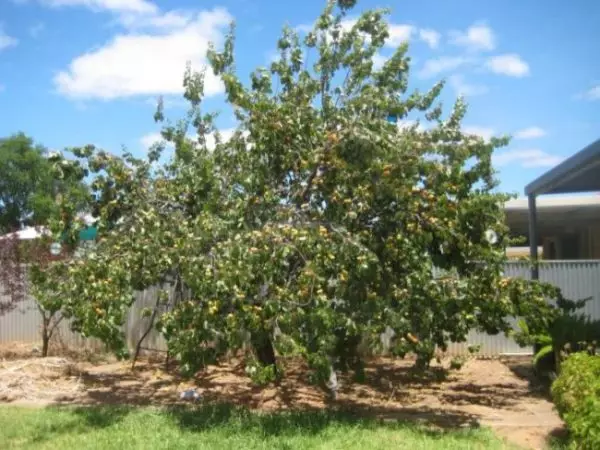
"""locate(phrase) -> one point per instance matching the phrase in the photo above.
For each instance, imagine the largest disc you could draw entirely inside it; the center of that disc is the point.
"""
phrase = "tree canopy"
(319, 227)
(27, 187)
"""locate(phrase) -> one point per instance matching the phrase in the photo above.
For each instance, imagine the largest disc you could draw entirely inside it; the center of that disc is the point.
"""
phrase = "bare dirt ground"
(500, 394)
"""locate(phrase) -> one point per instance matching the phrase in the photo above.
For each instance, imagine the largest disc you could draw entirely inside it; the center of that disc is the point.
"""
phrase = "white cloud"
(407, 124)
(272, 56)
(399, 33)
(462, 87)
(164, 21)
(476, 38)
(593, 93)
(134, 14)
(148, 140)
(346, 24)
(6, 41)
(225, 135)
(430, 37)
(304, 27)
(528, 158)
(530, 133)
(36, 29)
(483, 132)
(509, 64)
(433, 67)
(134, 6)
(378, 61)
(169, 102)
(145, 64)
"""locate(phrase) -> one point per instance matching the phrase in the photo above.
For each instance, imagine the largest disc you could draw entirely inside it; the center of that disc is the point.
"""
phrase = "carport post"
(533, 237)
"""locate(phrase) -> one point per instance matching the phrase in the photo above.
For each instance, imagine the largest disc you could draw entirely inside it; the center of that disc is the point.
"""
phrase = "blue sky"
(74, 72)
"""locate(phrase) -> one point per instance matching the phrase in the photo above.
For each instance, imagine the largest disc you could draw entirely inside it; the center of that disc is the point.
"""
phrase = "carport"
(579, 173)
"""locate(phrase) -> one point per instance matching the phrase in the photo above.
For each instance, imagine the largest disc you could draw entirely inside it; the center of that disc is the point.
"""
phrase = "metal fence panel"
(499, 344)
(21, 323)
(577, 279)
(137, 325)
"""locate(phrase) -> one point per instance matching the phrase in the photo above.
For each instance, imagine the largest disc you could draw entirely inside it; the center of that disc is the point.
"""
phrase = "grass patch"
(220, 427)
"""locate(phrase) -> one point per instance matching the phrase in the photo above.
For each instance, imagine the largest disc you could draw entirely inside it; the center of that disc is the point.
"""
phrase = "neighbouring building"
(556, 223)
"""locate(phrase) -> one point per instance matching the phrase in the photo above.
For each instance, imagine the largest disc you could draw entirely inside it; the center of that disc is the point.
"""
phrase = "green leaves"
(29, 185)
(576, 394)
(316, 226)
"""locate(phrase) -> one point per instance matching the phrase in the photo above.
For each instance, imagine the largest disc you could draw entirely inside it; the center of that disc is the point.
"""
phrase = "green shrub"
(576, 394)
(562, 332)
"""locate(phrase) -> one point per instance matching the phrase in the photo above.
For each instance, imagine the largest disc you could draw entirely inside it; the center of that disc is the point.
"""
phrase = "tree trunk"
(263, 347)
(557, 360)
(138, 347)
(423, 361)
(48, 327)
(348, 354)
(45, 340)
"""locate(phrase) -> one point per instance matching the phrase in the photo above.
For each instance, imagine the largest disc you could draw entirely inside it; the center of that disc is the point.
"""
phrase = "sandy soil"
(500, 394)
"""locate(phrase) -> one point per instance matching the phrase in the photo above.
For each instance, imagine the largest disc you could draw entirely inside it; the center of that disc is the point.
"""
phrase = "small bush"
(576, 394)
(567, 333)
(458, 362)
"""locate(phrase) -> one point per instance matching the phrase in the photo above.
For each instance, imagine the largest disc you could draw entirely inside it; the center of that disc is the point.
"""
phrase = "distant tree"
(28, 188)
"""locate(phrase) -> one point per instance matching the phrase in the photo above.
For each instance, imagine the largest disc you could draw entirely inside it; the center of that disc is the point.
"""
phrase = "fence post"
(533, 249)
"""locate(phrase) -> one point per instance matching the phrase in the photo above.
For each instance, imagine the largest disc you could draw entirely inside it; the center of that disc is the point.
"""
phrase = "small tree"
(22, 265)
(29, 193)
(44, 290)
(319, 224)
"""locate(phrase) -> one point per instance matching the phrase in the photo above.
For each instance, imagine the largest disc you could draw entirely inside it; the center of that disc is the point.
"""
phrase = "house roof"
(556, 203)
(27, 233)
(89, 233)
(553, 213)
(579, 173)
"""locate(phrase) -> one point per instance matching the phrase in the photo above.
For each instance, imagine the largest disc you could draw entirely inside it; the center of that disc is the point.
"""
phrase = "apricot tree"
(320, 224)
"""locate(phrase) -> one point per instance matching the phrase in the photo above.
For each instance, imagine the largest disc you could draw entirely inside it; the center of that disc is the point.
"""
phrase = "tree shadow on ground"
(391, 391)
(404, 385)
(84, 419)
(385, 382)
(433, 422)
(498, 395)
(559, 439)
(523, 368)
(102, 416)
(236, 419)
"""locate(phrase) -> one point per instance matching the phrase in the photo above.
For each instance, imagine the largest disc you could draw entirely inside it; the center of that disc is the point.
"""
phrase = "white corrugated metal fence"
(577, 279)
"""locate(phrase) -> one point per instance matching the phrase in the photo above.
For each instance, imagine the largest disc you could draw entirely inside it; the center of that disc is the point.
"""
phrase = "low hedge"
(576, 394)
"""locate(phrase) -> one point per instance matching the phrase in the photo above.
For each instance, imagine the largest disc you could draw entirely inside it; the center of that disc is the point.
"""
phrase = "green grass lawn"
(218, 427)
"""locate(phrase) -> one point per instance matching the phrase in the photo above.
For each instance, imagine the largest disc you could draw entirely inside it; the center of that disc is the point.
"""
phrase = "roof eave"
(564, 171)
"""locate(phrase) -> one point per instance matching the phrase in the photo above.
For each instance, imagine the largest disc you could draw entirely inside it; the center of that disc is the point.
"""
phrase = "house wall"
(587, 244)
(594, 231)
